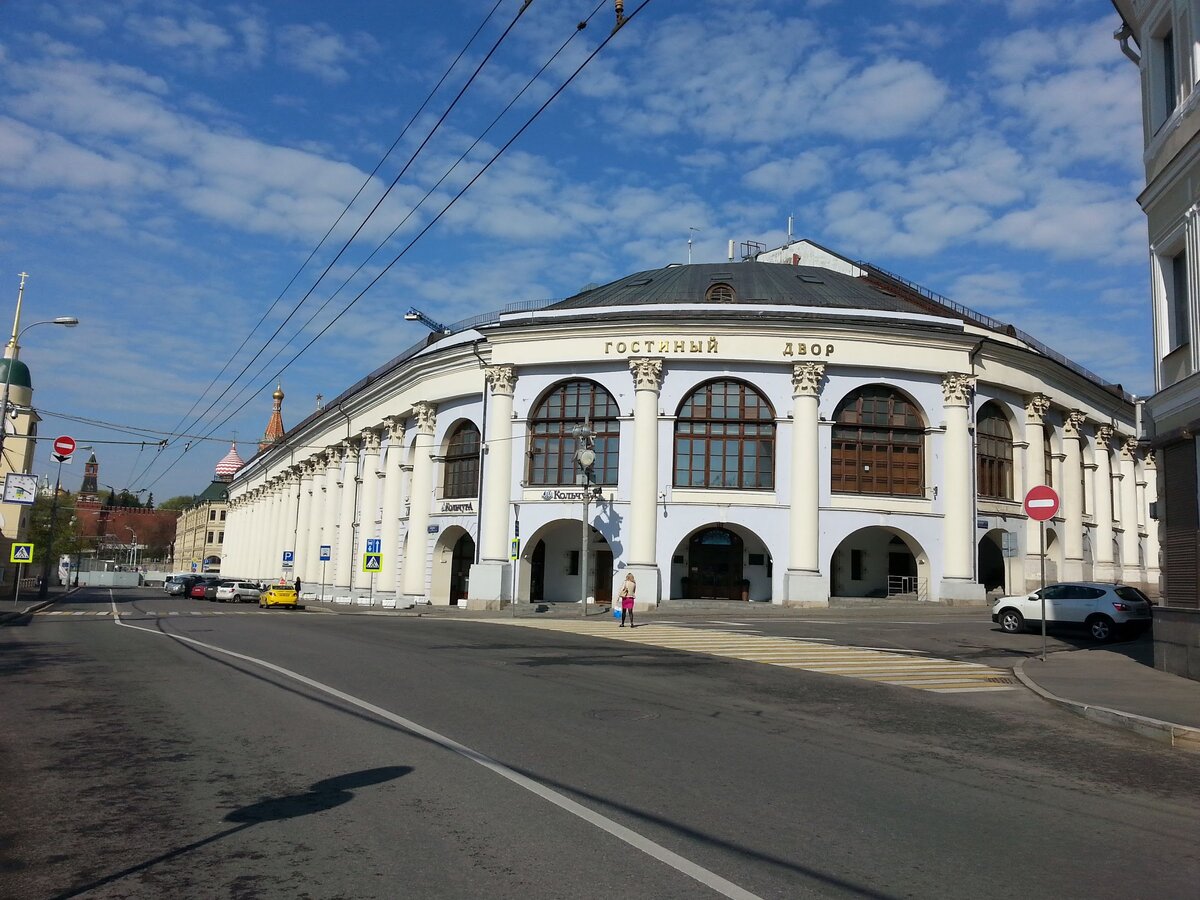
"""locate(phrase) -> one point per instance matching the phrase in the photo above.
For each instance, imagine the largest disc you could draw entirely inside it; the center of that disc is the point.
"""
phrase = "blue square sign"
(373, 545)
(326, 552)
(289, 557)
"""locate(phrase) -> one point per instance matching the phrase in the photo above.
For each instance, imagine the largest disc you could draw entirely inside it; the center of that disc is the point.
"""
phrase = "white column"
(310, 562)
(393, 503)
(958, 506)
(329, 516)
(1036, 408)
(643, 496)
(805, 584)
(344, 550)
(304, 522)
(229, 550)
(1102, 550)
(368, 503)
(1130, 571)
(492, 577)
(1072, 496)
(253, 528)
(270, 561)
(291, 502)
(419, 500)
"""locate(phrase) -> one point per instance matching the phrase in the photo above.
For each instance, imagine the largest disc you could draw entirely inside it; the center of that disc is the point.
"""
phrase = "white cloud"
(319, 50)
(787, 177)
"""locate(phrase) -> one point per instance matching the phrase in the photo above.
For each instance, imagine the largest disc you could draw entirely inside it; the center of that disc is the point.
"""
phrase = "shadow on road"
(322, 795)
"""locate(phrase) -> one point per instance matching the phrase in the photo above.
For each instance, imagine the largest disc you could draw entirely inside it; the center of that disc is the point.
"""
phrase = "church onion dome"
(230, 463)
(16, 373)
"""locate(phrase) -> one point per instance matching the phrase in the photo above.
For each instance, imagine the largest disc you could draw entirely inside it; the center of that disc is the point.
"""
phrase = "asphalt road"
(309, 754)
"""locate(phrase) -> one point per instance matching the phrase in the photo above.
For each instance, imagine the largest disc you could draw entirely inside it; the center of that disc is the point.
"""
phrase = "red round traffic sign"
(64, 446)
(1041, 503)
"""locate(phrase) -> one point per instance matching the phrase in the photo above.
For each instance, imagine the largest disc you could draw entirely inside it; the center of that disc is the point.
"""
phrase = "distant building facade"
(783, 429)
(1163, 38)
(200, 529)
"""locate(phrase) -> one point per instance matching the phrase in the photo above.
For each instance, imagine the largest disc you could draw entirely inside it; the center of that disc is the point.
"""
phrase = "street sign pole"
(1043, 531)
(17, 591)
(322, 581)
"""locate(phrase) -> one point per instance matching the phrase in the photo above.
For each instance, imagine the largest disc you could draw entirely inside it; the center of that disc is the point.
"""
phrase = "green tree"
(183, 501)
(66, 537)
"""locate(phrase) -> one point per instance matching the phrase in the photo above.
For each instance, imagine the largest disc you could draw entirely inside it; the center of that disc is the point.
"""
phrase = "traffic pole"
(1043, 593)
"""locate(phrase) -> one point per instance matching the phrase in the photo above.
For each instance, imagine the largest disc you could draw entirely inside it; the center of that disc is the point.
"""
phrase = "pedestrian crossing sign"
(21, 553)
(372, 562)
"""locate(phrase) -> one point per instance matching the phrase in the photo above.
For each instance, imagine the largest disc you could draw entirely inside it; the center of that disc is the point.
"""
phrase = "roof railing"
(995, 325)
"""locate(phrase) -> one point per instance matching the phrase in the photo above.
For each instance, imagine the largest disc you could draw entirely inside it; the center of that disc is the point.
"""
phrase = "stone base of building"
(1072, 570)
(1177, 641)
(803, 588)
(491, 585)
(962, 592)
(1105, 571)
(649, 591)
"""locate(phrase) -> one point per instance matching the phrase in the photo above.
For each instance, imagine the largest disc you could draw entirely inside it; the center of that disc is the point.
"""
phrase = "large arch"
(879, 561)
(449, 576)
(994, 452)
(721, 561)
(551, 440)
(549, 565)
(724, 437)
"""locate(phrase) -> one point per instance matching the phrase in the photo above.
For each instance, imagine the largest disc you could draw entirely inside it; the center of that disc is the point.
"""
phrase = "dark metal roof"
(752, 283)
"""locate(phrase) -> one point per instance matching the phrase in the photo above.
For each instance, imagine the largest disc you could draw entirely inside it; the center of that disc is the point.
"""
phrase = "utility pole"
(585, 457)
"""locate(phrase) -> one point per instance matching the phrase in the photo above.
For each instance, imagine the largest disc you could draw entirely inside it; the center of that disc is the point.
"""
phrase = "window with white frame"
(1164, 74)
(1175, 289)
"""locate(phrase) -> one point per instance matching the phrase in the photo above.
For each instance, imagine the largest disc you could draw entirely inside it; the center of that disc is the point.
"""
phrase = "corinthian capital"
(503, 379)
(807, 378)
(956, 388)
(1104, 435)
(395, 430)
(1129, 448)
(647, 373)
(1036, 408)
(426, 414)
(370, 440)
(1073, 424)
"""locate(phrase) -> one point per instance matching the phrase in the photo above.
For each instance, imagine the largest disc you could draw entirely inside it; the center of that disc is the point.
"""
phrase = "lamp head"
(412, 316)
(69, 321)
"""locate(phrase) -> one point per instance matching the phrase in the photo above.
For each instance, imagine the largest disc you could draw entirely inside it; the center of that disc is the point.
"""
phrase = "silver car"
(237, 592)
(1103, 609)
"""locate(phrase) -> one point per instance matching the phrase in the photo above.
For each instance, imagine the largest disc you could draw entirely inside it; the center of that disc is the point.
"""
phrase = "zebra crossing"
(894, 667)
(109, 613)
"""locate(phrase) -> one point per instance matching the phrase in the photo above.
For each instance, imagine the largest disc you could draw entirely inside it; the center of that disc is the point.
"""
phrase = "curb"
(1182, 737)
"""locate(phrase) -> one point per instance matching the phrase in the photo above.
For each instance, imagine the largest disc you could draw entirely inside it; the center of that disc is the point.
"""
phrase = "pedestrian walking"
(297, 585)
(627, 592)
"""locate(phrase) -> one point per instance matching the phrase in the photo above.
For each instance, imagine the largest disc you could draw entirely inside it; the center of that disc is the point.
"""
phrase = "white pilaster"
(303, 522)
(420, 496)
(643, 497)
(805, 584)
(1130, 565)
(1036, 408)
(1072, 496)
(958, 506)
(1102, 550)
(393, 503)
(1153, 551)
(310, 562)
(344, 551)
(491, 578)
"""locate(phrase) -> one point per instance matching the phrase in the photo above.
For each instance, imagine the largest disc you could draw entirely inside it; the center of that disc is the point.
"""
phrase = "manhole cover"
(620, 715)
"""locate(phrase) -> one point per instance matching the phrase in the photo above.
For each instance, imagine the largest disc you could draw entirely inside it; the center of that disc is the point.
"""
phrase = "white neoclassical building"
(783, 429)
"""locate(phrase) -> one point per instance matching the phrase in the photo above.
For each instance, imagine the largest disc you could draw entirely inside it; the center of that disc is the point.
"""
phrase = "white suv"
(1101, 608)
(237, 591)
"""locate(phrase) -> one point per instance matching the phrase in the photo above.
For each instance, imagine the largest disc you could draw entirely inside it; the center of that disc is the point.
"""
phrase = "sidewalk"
(29, 603)
(1119, 686)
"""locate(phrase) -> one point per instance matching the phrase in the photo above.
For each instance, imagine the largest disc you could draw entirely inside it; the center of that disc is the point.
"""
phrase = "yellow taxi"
(279, 595)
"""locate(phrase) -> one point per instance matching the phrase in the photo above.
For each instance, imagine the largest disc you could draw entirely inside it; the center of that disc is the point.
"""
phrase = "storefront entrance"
(714, 566)
(460, 568)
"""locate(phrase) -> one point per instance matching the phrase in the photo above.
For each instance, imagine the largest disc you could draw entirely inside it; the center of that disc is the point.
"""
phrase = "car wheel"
(237, 598)
(1101, 628)
(1011, 621)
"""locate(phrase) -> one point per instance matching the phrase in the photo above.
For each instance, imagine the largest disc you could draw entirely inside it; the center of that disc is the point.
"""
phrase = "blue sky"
(167, 167)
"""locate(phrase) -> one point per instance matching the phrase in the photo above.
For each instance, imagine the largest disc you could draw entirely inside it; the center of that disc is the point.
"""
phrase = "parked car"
(237, 591)
(1103, 609)
(279, 595)
(204, 588)
(196, 589)
(179, 585)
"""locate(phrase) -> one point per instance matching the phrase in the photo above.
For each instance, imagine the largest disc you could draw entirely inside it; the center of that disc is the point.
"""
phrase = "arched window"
(725, 438)
(551, 443)
(993, 454)
(1047, 455)
(878, 444)
(462, 463)
(720, 293)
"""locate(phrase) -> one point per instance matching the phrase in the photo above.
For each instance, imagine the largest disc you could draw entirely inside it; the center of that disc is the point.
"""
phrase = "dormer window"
(720, 293)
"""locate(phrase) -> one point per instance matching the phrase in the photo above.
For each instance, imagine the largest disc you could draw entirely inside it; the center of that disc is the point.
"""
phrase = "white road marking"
(629, 836)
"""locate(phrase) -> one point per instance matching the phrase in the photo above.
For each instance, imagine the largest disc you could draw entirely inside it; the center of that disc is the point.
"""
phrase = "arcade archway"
(879, 561)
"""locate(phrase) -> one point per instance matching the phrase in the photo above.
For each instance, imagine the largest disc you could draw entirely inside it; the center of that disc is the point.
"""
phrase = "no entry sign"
(63, 448)
(1041, 503)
